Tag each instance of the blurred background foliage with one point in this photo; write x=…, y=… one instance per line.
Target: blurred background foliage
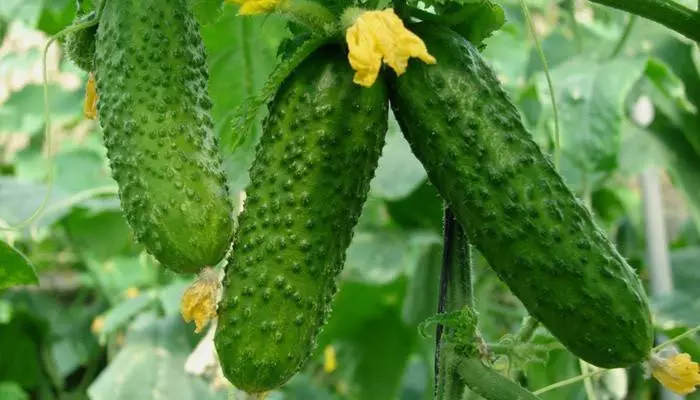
x=104, y=323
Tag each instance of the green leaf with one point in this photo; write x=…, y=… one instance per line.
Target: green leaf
x=19, y=200
x=424, y=288
x=380, y=257
x=118, y=317
x=638, y=151
x=171, y=295
x=81, y=169
x=12, y=391
x=686, y=274
x=56, y=15
x=480, y=18
x=681, y=159
x=71, y=342
x=354, y=305
x=676, y=309
x=21, y=342
x=117, y=275
x=152, y=362
x=26, y=11
x=381, y=350
x=507, y=52
x=24, y=110
x=206, y=11
x=99, y=234
x=669, y=85
x=248, y=47
x=15, y=268
x=590, y=97
x=398, y=172
x=421, y=209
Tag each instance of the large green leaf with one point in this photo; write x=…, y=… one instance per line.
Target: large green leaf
x=354, y=305
x=241, y=54
x=81, y=169
x=67, y=327
x=117, y=275
x=366, y=321
x=421, y=209
x=19, y=200
x=15, y=268
x=507, y=53
x=424, y=288
x=100, y=234
x=152, y=364
x=590, y=97
x=398, y=172
x=380, y=257
x=21, y=344
x=56, y=15
x=24, y=110
x=119, y=316
x=381, y=350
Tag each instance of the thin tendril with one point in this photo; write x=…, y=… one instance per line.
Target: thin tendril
x=587, y=383
x=47, y=119
x=569, y=381
x=540, y=53
x=677, y=338
x=624, y=36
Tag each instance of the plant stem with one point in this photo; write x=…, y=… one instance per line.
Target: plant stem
x=570, y=6
x=527, y=330
x=625, y=35
x=569, y=381
x=489, y=384
x=455, y=293
x=666, y=12
x=550, y=85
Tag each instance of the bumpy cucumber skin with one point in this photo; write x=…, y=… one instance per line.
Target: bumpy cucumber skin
x=80, y=45
x=310, y=178
x=151, y=75
x=540, y=240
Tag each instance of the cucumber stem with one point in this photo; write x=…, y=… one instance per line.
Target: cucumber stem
x=310, y=14
x=455, y=293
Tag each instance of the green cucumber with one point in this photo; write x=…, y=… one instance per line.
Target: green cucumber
x=518, y=212
x=154, y=108
x=309, y=180
x=80, y=45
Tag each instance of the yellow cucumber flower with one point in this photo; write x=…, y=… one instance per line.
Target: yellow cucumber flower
x=330, y=362
x=378, y=36
x=677, y=372
x=90, y=104
x=198, y=303
x=252, y=7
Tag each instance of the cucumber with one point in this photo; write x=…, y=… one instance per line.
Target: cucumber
x=518, y=212
x=154, y=109
x=80, y=44
x=320, y=147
